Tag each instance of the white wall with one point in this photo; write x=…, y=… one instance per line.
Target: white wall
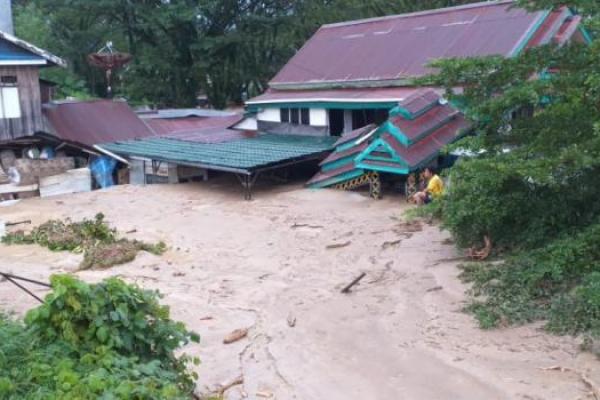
x=269, y=114
x=247, y=124
x=318, y=117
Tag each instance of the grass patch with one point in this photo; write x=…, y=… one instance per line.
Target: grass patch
x=99, y=243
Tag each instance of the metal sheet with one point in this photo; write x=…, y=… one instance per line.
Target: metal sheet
x=399, y=47
x=95, y=122
x=243, y=154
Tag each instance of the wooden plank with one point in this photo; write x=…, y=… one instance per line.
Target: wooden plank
x=73, y=181
x=10, y=188
x=30, y=100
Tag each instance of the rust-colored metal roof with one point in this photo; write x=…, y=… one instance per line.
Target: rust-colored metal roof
x=396, y=48
x=419, y=101
x=429, y=146
x=169, y=126
x=430, y=120
x=95, y=122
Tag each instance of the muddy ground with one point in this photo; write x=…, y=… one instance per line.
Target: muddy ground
x=284, y=257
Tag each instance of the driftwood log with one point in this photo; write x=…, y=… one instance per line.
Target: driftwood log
x=354, y=283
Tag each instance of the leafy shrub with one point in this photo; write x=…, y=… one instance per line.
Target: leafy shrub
x=559, y=282
x=100, y=244
x=109, y=341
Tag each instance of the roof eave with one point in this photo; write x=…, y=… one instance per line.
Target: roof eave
x=49, y=57
x=347, y=84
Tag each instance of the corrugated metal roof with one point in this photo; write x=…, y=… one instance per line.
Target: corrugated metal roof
x=419, y=101
x=243, y=154
x=340, y=95
x=191, y=124
x=95, y=122
x=429, y=146
x=399, y=47
x=430, y=120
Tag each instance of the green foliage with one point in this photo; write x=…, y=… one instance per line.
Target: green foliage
x=100, y=244
x=109, y=341
x=557, y=282
x=532, y=182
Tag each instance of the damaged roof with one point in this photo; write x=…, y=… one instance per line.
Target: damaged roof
x=95, y=122
x=395, y=49
x=15, y=51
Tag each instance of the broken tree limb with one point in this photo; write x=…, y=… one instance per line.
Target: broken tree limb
x=338, y=245
x=26, y=222
x=235, y=336
x=354, y=283
x=237, y=381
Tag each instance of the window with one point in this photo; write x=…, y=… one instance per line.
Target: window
x=304, y=116
x=285, y=115
x=8, y=80
x=361, y=118
x=10, y=106
x=296, y=116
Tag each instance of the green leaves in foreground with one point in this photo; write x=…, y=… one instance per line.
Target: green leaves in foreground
x=104, y=341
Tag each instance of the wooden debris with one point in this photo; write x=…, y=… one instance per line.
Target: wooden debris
x=69, y=182
x=237, y=381
x=435, y=289
x=10, y=188
x=264, y=394
x=209, y=318
x=291, y=321
x=338, y=245
x=354, y=283
x=26, y=222
x=296, y=226
x=131, y=231
x=594, y=390
x=235, y=336
x=393, y=243
x=481, y=254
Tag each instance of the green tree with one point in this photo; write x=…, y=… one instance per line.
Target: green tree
x=534, y=184
x=227, y=49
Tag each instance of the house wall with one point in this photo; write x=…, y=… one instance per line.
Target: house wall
x=269, y=115
x=269, y=120
x=31, y=120
x=318, y=117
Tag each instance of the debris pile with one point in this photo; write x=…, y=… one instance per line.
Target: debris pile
x=99, y=243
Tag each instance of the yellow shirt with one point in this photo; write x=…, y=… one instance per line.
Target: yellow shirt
x=435, y=186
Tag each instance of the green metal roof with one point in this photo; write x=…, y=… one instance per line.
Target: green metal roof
x=242, y=155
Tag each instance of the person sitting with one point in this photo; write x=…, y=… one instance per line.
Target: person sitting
x=434, y=189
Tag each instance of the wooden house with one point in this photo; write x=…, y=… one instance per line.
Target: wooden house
x=351, y=74
x=20, y=93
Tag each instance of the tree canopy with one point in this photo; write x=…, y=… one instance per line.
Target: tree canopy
x=533, y=185
x=226, y=49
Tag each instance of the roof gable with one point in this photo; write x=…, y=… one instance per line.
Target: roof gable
x=393, y=50
x=14, y=51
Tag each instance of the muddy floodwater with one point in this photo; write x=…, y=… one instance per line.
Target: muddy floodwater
x=276, y=265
